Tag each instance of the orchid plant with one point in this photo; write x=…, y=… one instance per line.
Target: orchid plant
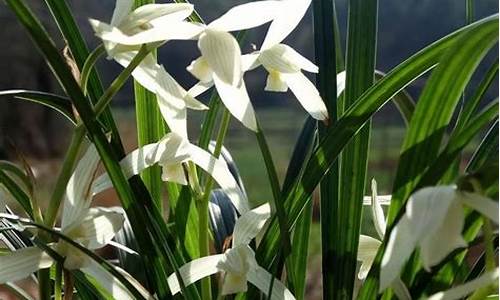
x=436, y=233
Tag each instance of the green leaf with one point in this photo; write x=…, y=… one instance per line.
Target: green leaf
x=486, y=152
x=457, y=143
x=186, y=222
x=300, y=249
x=347, y=212
x=402, y=100
x=19, y=195
x=21, y=175
x=301, y=151
x=300, y=238
x=325, y=39
x=471, y=105
x=58, y=103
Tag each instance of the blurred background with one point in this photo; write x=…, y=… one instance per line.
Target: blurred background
x=41, y=136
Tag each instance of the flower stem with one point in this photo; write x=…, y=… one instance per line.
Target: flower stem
x=489, y=248
x=44, y=289
x=203, y=204
x=58, y=282
x=89, y=65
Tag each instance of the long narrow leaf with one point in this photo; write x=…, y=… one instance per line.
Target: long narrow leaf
x=19, y=195
x=478, y=95
x=325, y=39
x=457, y=143
x=360, y=68
x=58, y=103
x=300, y=237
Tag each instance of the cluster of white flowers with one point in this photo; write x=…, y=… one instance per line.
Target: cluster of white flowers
x=221, y=63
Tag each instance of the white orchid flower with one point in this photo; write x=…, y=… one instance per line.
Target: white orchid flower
x=433, y=221
x=238, y=263
x=146, y=24
x=285, y=65
x=221, y=60
x=150, y=23
x=91, y=227
x=173, y=99
x=170, y=153
x=368, y=246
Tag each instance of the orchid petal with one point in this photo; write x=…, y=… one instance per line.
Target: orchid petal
x=248, y=15
x=237, y=262
x=307, y=94
x=200, y=88
x=250, y=224
x=275, y=82
x=107, y=280
x=98, y=227
x=367, y=250
x=171, y=103
x=250, y=61
x=425, y=212
x=219, y=171
x=132, y=164
x=194, y=271
x=377, y=212
x=145, y=73
x=482, y=204
x=261, y=279
x=467, y=288
x=400, y=289
x=222, y=53
x=284, y=58
x=122, y=9
x=381, y=199
x=200, y=69
x=237, y=101
x=22, y=263
x=180, y=31
x=173, y=173
x=144, y=14
x=74, y=258
x=172, y=149
x=234, y=284
x=399, y=247
x=436, y=245
x=340, y=83
x=194, y=104
x=78, y=190
x=287, y=18
x=172, y=97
